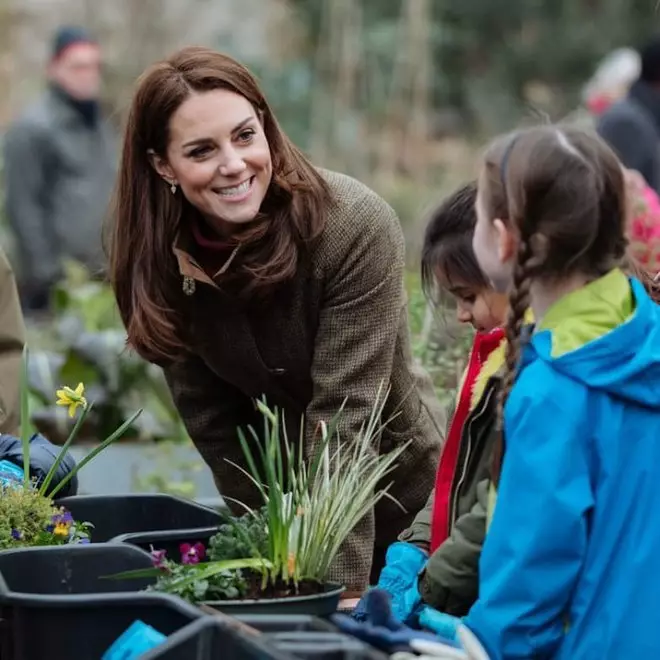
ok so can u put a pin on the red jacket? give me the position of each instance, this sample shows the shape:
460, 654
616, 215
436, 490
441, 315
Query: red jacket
484, 345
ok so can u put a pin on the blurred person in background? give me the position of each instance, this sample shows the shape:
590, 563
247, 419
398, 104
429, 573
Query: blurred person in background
631, 125
12, 341
611, 84
43, 453
60, 165
612, 80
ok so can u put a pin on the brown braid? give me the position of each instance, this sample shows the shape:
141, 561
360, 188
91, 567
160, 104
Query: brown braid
527, 263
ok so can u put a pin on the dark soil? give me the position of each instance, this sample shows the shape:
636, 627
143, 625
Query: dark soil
281, 590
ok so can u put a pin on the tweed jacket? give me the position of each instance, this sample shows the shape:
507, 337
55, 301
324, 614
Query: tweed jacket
336, 331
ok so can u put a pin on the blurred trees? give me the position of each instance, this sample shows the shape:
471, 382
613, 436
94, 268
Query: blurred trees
491, 58
379, 89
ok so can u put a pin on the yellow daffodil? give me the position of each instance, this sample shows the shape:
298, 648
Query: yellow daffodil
291, 563
72, 398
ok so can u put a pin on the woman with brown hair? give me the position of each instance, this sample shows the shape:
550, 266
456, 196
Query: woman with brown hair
245, 271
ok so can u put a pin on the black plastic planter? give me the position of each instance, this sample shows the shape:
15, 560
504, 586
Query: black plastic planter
208, 639
323, 646
320, 605
71, 570
115, 515
168, 540
287, 623
81, 627
53, 603
308, 638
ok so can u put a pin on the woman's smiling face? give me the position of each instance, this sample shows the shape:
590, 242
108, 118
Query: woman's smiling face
219, 155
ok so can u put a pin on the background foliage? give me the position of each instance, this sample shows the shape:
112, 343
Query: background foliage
399, 93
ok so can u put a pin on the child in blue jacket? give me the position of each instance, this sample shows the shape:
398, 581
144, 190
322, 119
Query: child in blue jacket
570, 568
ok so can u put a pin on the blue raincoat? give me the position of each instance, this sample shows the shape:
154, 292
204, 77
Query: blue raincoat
570, 569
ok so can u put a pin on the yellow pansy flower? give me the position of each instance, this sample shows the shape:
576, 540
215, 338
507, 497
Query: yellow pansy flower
72, 398
61, 529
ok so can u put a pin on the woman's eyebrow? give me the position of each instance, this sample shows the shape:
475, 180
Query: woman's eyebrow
238, 127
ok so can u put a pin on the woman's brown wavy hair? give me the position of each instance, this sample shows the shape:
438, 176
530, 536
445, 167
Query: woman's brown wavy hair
147, 217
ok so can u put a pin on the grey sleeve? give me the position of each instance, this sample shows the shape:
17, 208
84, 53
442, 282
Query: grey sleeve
26, 150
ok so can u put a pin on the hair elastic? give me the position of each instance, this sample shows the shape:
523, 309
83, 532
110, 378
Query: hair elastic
505, 160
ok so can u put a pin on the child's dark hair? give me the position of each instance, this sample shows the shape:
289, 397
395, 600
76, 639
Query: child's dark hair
448, 242
562, 192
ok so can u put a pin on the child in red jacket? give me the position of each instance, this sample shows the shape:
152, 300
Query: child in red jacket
435, 562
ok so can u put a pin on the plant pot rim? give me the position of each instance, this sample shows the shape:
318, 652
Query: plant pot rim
330, 590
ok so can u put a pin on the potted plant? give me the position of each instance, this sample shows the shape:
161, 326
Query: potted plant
29, 515
278, 558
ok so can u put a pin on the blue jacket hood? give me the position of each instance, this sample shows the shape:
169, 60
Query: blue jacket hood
607, 336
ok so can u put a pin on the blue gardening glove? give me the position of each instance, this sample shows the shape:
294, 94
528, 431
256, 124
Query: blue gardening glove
43, 454
136, 640
443, 625
380, 628
10, 475
403, 563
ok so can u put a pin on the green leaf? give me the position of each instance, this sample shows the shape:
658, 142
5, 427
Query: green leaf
134, 574
26, 427
43, 489
208, 570
97, 450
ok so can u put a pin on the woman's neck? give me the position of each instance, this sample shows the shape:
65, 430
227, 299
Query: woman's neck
205, 237
545, 294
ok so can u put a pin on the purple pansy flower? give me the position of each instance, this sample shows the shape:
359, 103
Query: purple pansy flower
17, 535
192, 554
64, 518
158, 558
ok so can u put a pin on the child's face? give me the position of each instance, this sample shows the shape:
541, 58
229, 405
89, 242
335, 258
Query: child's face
495, 246
483, 308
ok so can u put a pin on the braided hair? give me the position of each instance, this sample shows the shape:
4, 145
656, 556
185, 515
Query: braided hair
561, 193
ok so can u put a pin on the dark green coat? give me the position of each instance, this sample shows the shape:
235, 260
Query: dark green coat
451, 578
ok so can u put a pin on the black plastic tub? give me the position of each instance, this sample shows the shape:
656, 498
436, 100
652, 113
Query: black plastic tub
53, 603
323, 646
115, 515
72, 570
168, 540
308, 638
208, 639
56, 602
286, 623
82, 627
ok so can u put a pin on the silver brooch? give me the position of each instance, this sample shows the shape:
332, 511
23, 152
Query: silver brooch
188, 285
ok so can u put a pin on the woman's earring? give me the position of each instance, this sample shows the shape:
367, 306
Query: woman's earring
173, 187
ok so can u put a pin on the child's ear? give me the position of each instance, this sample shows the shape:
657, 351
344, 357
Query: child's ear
507, 243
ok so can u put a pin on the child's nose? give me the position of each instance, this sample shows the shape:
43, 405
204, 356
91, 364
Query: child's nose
463, 315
